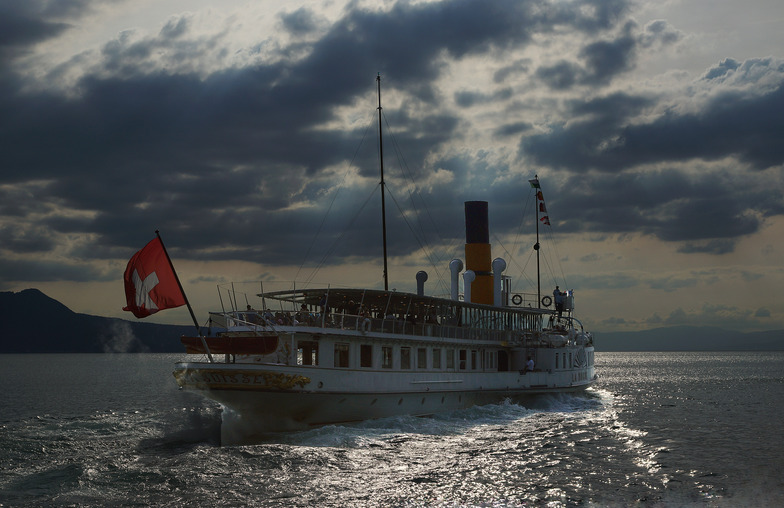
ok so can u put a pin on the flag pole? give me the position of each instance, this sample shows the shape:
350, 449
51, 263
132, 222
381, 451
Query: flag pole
190, 309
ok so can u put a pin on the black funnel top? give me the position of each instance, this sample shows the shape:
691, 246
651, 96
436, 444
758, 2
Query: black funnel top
477, 230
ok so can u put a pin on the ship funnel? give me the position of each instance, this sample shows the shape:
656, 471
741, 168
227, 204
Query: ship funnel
421, 278
455, 266
477, 249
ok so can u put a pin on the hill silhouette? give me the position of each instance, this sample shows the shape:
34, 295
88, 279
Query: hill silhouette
32, 322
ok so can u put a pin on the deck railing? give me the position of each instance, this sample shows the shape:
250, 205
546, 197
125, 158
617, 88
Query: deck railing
258, 322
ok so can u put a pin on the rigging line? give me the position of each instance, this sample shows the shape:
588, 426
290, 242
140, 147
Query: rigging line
340, 237
408, 174
433, 254
551, 236
328, 252
334, 198
416, 237
548, 233
512, 258
517, 241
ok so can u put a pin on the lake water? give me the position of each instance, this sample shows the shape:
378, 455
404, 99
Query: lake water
658, 429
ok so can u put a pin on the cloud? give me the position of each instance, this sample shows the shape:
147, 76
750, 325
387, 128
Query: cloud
303, 21
181, 130
722, 316
39, 270
670, 284
718, 246
599, 62
734, 121
21, 26
149, 138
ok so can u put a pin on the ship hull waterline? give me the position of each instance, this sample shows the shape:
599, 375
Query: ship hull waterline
275, 398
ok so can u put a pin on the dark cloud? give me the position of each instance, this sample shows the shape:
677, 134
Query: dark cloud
241, 163
512, 128
599, 62
300, 22
705, 213
737, 122
141, 148
660, 32
23, 23
467, 99
605, 59
32, 270
561, 75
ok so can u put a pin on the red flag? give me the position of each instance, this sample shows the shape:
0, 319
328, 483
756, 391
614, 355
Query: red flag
545, 220
150, 282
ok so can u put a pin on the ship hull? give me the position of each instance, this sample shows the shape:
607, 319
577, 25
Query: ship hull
271, 398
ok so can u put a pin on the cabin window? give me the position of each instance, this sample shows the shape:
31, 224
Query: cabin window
307, 352
474, 362
386, 357
341, 355
405, 357
556, 361
421, 358
463, 354
450, 358
436, 358
570, 361
366, 355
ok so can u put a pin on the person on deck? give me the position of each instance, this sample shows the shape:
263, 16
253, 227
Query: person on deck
529, 365
558, 298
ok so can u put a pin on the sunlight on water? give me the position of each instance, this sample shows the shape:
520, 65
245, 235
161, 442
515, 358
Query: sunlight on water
652, 432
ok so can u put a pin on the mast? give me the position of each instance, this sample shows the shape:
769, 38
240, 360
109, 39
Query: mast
536, 246
383, 204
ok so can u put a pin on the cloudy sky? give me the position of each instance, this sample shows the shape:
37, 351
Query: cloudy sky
246, 133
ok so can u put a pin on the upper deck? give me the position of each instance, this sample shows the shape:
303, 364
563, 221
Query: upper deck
384, 313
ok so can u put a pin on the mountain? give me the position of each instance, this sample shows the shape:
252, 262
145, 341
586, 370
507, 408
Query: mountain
31, 322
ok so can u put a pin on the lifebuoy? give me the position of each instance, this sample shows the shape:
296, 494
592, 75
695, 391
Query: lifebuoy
517, 299
546, 301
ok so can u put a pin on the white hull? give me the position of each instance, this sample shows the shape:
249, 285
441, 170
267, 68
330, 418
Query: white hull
271, 397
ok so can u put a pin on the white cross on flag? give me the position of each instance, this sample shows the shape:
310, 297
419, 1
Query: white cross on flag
150, 282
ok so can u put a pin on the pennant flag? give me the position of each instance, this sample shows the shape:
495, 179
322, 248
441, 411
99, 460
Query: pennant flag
542, 208
545, 220
150, 282
534, 183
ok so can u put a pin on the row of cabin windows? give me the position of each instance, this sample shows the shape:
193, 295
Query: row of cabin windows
441, 358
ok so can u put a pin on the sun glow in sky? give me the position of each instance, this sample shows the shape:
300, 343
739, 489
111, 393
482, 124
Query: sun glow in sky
655, 127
